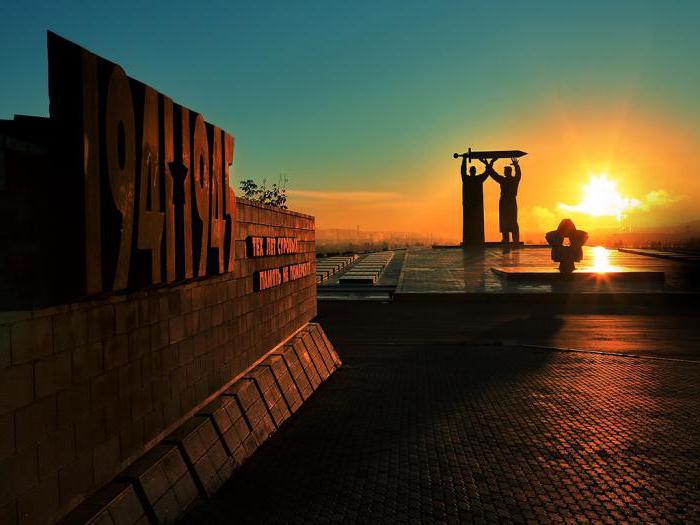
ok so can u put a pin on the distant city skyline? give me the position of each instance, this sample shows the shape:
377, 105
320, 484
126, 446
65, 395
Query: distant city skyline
362, 104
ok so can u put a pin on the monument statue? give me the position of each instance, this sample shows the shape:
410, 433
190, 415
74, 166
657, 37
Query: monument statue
473, 195
566, 255
508, 204
473, 203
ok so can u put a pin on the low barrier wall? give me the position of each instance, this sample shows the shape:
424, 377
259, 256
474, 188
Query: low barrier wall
87, 388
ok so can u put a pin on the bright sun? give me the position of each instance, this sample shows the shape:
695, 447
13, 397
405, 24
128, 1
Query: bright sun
601, 260
602, 199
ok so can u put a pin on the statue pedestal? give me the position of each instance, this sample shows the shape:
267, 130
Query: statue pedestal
545, 274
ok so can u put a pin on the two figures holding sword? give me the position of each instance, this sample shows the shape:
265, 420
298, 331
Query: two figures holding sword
473, 195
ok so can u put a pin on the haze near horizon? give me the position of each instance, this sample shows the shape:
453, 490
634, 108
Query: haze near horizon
362, 105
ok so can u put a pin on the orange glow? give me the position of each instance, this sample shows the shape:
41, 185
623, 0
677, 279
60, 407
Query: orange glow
610, 163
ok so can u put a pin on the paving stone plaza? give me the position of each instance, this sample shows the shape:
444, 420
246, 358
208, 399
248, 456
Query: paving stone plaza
445, 433
449, 412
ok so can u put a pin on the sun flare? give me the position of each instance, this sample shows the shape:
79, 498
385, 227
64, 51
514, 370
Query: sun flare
601, 198
601, 260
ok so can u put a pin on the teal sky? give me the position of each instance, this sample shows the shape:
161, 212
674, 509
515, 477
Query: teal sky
342, 96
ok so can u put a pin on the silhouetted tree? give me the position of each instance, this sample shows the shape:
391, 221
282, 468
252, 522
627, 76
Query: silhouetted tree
275, 195
250, 189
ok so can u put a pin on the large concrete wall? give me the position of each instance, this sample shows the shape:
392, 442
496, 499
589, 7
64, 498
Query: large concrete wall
87, 388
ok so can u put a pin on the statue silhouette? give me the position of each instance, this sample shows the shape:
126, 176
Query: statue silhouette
473, 204
508, 204
565, 255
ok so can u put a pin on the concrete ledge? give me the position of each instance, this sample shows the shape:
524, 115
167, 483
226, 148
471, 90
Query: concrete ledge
296, 371
116, 503
196, 459
561, 302
320, 346
271, 394
315, 356
253, 406
204, 453
690, 257
358, 279
487, 244
548, 275
232, 427
307, 363
283, 378
324, 342
162, 482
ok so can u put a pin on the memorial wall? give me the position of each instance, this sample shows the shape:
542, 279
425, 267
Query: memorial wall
135, 286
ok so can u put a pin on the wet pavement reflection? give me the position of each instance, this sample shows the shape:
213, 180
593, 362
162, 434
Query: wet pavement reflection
450, 270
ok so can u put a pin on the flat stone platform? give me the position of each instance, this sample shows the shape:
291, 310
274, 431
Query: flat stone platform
548, 274
691, 257
487, 244
359, 279
456, 272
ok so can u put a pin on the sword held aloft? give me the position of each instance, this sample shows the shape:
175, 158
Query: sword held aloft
484, 155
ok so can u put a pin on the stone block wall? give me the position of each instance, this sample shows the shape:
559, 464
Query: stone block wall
192, 463
87, 388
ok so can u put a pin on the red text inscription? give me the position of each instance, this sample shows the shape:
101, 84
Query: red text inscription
265, 279
287, 245
271, 246
269, 278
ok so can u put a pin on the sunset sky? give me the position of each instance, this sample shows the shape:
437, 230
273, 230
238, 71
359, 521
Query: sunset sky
361, 104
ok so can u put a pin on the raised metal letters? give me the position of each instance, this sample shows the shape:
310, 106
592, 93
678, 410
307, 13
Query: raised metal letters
91, 175
218, 223
186, 184
200, 169
144, 182
271, 246
150, 216
265, 279
121, 166
168, 160
230, 198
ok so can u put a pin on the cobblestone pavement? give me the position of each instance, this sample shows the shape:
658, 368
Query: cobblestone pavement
445, 433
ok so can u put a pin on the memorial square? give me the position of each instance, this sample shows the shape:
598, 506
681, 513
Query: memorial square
246, 275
